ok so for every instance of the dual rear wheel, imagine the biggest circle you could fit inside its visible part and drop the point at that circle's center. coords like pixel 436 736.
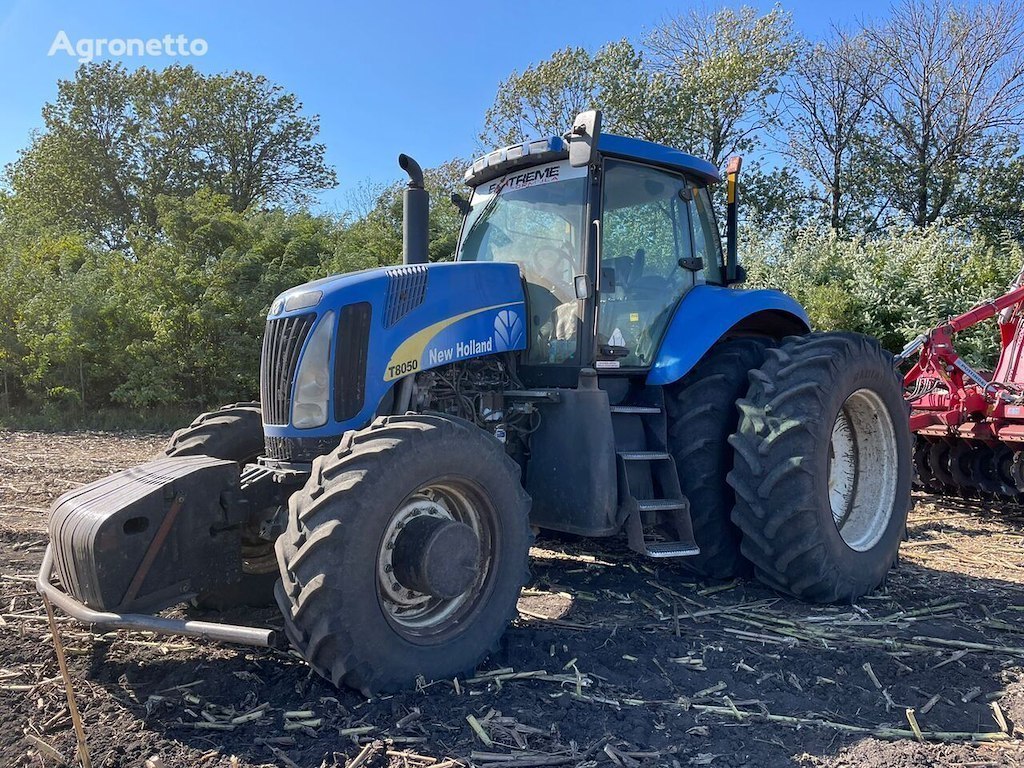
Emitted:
pixel 811 482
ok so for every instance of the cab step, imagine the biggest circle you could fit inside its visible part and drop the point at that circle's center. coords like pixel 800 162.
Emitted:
pixel 649 410
pixel 670 549
pixel 678 512
pixel 661 505
pixel 666 510
pixel 644 456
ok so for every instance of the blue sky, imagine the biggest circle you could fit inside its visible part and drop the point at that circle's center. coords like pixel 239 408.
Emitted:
pixel 385 77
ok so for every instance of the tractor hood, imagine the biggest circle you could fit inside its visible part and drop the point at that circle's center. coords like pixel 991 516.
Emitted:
pixel 335 347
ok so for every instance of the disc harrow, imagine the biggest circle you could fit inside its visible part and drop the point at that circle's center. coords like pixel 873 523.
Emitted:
pixel 968 424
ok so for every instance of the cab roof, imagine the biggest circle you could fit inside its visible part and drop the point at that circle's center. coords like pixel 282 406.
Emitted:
pixel 504 160
pixel 657 154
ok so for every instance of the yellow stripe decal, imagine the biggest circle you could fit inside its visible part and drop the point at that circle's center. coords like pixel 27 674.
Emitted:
pixel 406 358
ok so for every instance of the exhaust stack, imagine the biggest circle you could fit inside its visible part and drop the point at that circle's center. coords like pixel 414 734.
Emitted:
pixel 416 207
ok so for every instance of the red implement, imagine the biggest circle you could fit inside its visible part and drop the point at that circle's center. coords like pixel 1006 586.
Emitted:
pixel 968 424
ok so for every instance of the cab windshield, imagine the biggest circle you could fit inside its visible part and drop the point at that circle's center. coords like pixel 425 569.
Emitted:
pixel 534 217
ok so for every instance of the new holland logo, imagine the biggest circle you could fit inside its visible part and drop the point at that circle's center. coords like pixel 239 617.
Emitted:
pixel 508 330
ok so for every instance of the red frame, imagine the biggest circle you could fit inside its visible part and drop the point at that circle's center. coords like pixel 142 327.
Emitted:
pixel 969 409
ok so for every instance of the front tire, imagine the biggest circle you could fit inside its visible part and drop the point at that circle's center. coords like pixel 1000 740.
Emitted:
pixel 365 598
pixel 823 467
pixel 232 433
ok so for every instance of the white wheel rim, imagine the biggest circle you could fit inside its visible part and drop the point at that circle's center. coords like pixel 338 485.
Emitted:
pixel 863 470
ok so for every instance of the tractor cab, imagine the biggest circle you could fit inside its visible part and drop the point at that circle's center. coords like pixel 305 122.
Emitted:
pixel 607 245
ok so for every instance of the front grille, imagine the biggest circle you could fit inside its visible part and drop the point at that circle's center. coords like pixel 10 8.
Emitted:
pixel 299 449
pixel 282 344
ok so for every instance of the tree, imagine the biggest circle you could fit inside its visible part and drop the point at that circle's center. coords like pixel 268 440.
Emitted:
pixel 79 174
pixel 116 141
pixel 951 78
pixel 637 101
pixel 990 202
pixel 828 105
pixel 545 98
pixel 542 100
pixel 257 146
pixel 724 71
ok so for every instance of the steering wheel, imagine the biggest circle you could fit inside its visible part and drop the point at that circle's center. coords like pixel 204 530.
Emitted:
pixel 553 271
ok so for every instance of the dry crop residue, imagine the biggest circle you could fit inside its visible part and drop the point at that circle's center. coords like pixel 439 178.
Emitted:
pixel 614 661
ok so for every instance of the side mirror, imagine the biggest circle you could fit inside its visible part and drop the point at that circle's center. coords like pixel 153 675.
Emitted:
pixel 583 137
pixel 733 272
pixel 581 285
pixel 461 203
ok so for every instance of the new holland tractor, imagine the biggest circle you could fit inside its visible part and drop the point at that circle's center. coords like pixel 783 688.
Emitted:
pixel 585 365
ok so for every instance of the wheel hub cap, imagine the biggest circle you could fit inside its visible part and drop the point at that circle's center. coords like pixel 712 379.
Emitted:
pixel 433 558
pixel 436 556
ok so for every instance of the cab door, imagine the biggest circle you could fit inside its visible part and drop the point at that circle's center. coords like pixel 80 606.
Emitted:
pixel 647 260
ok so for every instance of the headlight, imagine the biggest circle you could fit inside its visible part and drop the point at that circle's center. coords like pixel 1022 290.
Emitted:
pixel 302 300
pixel 313 379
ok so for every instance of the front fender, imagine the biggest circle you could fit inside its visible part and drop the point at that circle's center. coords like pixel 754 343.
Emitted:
pixel 709 312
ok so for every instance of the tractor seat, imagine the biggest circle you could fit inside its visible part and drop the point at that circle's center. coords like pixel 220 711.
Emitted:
pixel 621 268
pixel 649 287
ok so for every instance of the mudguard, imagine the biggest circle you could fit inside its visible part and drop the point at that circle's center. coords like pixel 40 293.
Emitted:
pixel 391 322
pixel 708 312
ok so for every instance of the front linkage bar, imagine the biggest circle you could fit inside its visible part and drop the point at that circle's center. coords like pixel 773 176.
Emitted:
pixel 207 630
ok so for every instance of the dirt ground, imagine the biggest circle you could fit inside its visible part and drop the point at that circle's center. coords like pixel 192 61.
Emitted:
pixel 614 661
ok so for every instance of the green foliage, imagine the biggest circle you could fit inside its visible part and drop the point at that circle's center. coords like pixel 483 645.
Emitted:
pixel 115 142
pixel 201 297
pixel 176 320
pixel 893 286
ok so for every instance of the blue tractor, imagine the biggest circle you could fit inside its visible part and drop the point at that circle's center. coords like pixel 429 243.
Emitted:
pixel 585 365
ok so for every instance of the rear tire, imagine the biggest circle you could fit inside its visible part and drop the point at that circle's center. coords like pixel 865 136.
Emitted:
pixel 232 433
pixel 823 467
pixel 344 608
pixel 702 415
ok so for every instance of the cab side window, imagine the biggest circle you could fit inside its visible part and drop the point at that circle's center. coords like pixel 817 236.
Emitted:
pixel 646 231
pixel 706 243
